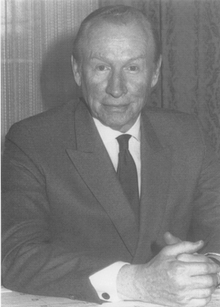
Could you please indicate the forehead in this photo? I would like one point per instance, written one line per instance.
(106, 39)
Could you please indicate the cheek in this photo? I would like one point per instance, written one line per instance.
(95, 92)
(139, 89)
(90, 90)
(94, 86)
(139, 84)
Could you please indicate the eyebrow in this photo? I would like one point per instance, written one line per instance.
(106, 60)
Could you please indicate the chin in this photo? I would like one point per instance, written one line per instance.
(119, 126)
(116, 120)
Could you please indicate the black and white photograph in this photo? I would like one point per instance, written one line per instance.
(110, 143)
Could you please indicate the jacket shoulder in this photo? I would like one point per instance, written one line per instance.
(48, 131)
(175, 127)
(52, 120)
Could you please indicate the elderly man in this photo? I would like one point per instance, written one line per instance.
(106, 199)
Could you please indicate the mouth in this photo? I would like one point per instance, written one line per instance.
(116, 108)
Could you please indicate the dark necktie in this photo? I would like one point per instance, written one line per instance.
(127, 173)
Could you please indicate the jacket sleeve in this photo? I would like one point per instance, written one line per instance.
(33, 261)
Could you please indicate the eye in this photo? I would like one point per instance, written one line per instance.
(102, 67)
(132, 68)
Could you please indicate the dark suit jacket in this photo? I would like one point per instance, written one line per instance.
(65, 215)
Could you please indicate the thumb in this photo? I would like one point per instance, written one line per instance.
(182, 247)
(170, 239)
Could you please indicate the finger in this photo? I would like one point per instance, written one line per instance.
(182, 247)
(204, 282)
(201, 268)
(194, 297)
(201, 293)
(216, 280)
(171, 239)
(193, 258)
(199, 302)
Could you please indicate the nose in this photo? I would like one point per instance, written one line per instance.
(116, 86)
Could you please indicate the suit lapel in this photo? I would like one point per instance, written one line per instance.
(94, 165)
(156, 169)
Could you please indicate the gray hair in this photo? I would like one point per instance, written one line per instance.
(117, 14)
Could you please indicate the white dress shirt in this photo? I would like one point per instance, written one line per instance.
(105, 280)
(109, 136)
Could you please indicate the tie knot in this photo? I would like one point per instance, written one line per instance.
(123, 141)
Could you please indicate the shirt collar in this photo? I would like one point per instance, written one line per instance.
(108, 134)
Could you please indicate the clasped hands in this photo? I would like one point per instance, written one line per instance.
(177, 276)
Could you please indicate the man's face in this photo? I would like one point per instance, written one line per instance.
(116, 73)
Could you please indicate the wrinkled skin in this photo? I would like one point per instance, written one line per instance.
(116, 73)
(177, 276)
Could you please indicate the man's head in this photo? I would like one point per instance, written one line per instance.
(116, 61)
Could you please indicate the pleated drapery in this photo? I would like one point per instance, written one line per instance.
(37, 40)
(191, 65)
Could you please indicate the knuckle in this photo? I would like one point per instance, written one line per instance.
(182, 300)
(204, 259)
(165, 250)
(206, 293)
(205, 267)
(208, 268)
(179, 280)
(208, 281)
(212, 268)
(180, 272)
(211, 280)
(206, 300)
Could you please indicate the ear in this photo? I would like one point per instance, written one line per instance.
(156, 73)
(76, 71)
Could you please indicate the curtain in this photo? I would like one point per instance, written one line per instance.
(190, 74)
(37, 41)
(191, 66)
(36, 48)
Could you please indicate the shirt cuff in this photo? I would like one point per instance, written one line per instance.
(105, 282)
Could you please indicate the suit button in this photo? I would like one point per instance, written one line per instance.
(106, 296)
